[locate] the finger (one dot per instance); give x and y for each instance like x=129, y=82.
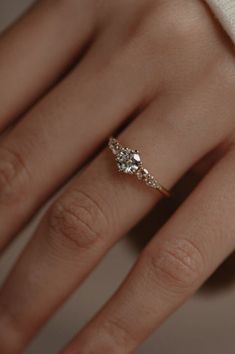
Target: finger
x=63, y=130
x=89, y=218
x=175, y=263
x=97, y=96
x=38, y=49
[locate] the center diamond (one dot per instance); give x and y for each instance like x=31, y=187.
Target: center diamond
x=128, y=161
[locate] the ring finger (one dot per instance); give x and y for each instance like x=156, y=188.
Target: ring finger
x=39, y=153
x=89, y=218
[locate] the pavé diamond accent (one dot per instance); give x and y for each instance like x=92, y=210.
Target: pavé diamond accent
x=142, y=174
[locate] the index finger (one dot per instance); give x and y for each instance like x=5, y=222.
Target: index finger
x=36, y=50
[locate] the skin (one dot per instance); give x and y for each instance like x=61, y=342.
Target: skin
x=83, y=69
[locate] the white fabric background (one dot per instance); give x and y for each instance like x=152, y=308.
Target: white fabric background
x=225, y=12
x=204, y=325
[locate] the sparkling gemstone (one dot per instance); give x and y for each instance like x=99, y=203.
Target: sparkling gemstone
x=128, y=161
x=150, y=181
x=114, y=146
x=142, y=174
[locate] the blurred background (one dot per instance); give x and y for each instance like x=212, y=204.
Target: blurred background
x=205, y=325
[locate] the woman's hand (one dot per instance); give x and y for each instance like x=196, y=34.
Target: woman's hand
x=75, y=72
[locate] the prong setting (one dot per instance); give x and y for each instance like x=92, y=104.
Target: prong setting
x=129, y=162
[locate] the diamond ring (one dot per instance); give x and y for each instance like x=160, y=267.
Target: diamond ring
x=128, y=161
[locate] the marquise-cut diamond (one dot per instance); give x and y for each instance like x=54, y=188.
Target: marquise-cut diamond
x=128, y=161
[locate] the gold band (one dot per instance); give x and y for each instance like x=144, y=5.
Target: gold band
x=129, y=162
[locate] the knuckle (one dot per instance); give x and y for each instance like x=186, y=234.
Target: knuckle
x=177, y=265
x=13, y=174
x=77, y=220
x=121, y=336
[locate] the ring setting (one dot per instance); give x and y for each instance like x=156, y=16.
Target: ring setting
x=129, y=162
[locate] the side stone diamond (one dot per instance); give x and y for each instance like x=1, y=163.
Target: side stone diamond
x=114, y=146
x=151, y=182
x=142, y=174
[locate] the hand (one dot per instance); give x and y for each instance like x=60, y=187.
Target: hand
x=75, y=72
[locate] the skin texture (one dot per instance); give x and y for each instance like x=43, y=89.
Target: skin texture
x=169, y=67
